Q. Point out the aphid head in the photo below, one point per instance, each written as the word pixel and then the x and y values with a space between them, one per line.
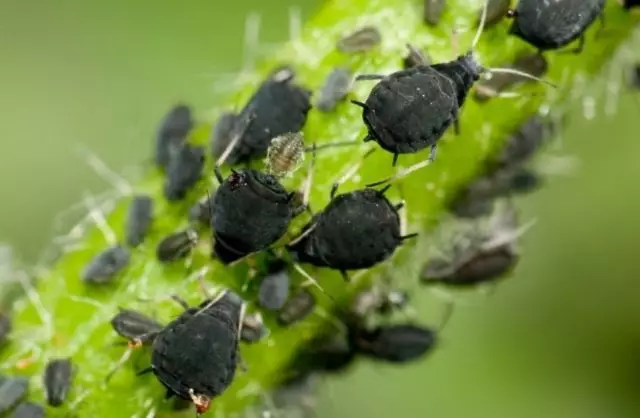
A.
pixel 202 402
pixel 471 65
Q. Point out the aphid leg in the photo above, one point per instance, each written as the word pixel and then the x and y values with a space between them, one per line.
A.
pixel 403 173
pixel 345 276
pixel 434 148
pixel 349 173
pixel 311 281
pixel 364 106
pixel 364 77
pixel 306 191
pixel 403 221
pixel 456 126
pixel 395 159
pixel 331 145
pixel 218 174
pixel 177 299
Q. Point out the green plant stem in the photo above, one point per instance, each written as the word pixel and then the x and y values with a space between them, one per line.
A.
pixel 65 317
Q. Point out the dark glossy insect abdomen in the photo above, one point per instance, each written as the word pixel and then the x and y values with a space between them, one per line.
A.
pixel 395 343
pixel 172 131
pixel 355 231
pixel 251 211
pixel 183 171
pixel 28 410
pixel 132 324
pixel 554 24
pixel 57 380
pixel 483 267
pixel 104 266
pixel 12 390
pixel 139 219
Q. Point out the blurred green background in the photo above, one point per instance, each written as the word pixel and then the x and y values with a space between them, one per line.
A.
pixel 559 339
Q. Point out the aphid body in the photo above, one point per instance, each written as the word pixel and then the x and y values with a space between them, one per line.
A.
pixel 395 343
pixel 361 40
pixel 355 231
pixel 274 287
pixel 335 89
pixel 177 245
pixel 297 308
pixel 139 219
pixel 183 171
pixel 5 327
pixel 104 266
pixel 222 134
pixel 496 11
pixel 195 356
pixel 12 390
pixel 285 154
pixel 554 24
pixel 28 410
pixel 172 132
pixel 253 328
pixel 251 210
pixel 329 354
pixel 414 58
pixel 131 324
pixel 58 377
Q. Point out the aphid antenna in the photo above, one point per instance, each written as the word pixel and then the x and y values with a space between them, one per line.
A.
pixel 332 145
pixel 243 313
pixel 311 281
pixel 350 172
pixel 404 173
pixel 304 234
pixel 102 170
pixel 238 133
pixel 123 359
pixel 213 301
pixel 96 215
pixel 306 194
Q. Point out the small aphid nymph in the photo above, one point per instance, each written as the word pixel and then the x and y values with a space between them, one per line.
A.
pixel 131 324
pixel 183 171
pixel 173 130
pixel 12 391
pixel 253 328
pixel 361 40
pixel 177 245
pixel 105 266
pixel 28 410
pixel 58 377
pixel 201 211
pixel 395 343
pixel 432 11
pixel 274 287
pixel 297 308
pixel 285 154
pixel 139 219
pixel 335 89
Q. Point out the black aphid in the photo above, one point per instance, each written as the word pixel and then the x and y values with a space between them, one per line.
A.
pixel 172 132
pixel 356 230
pixel 327 353
pixel 58 376
pixel 133 324
pixel 222 134
pixel 285 154
pixel 379 300
pixel 298 307
pixel 635 76
pixel 410 110
pixel 361 40
pixel 525 142
pixel 432 11
pixel 395 343
pixel 183 171
pixel 139 219
pixel 5 327
pixel 414 58
pixel 496 11
pixel 201 211
pixel 253 328
pixel 335 89
pixel 177 245
pixel 554 24
pixel 534 64
pixel 251 211
pixel 274 287
pixel 105 266
pixel 196 355
pixel 278 106
pixel 28 410
pixel 12 390
pixel 629 4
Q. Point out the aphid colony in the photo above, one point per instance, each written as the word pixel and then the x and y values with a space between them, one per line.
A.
pixel 195 356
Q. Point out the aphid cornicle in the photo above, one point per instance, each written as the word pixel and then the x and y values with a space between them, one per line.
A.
pixel 12 390
pixel 274 287
pixel 432 11
pixel 361 40
pixel 139 219
pixel 58 377
pixel 548 25
pixel 195 356
pixel 251 211
pixel 172 132
pixel 395 343
pixel 183 171
pixel 356 230
pixel 298 307
pixel 277 107
pixel 105 266
pixel 5 327
pixel 28 410
pixel 534 64
pixel 133 324
pixel 177 245
pixel 335 89
pixel 411 109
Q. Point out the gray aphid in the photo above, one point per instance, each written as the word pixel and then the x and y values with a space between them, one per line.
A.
pixel 103 267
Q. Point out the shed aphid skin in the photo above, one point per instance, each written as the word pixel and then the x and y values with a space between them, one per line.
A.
pixel 298 307
pixel 285 154
pixel 361 40
pixel 173 130
pixel 496 11
pixel 58 376
pixel 253 328
pixel 139 219
pixel 550 25
pixel 183 171
pixel 177 245
pixel 415 58
pixel 105 266
pixel 28 410
pixel 278 106
pixel 273 291
pixel 410 110
pixel 12 391
pixel 5 328
pixel 335 89
pixel 432 11
pixel 534 64
pixel 196 355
